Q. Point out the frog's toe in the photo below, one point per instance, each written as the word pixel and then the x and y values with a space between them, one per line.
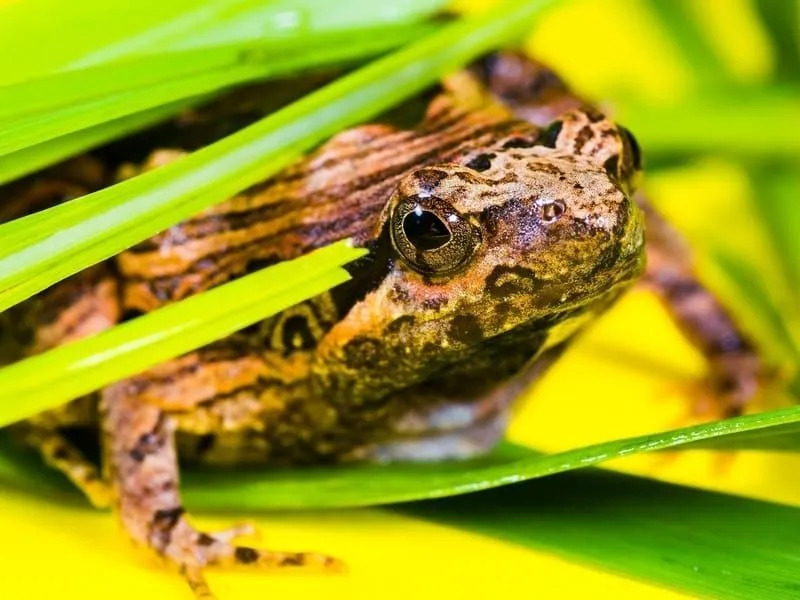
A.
pixel 194 550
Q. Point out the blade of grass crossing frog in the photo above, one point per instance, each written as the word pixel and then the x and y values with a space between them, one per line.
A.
pixel 782 20
pixel 92 228
pixel 70 87
pixel 369 484
pixel 23 162
pixel 56 376
pixel 234 66
pixel 90 33
pixel 365 485
pixel 220 23
pixel 700 543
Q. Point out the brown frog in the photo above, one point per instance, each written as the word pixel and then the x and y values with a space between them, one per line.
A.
pixel 497 229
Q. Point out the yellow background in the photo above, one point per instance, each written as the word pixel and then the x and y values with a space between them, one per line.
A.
pixel 629 375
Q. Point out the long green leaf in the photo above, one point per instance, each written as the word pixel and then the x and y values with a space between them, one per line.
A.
pixel 36 157
pixel 55 106
pixel 82 232
pixel 54 377
pixel 700 543
pixel 704 125
pixel 782 19
pixel 220 22
pixel 366 485
pixel 762 308
pixel 690 41
pixel 91 33
pixel 778 188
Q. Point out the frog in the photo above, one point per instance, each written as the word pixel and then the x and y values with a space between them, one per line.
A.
pixel 496 230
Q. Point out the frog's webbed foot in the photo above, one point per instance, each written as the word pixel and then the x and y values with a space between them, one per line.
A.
pixel 141 460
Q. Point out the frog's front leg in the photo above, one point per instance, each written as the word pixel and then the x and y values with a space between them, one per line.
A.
pixel 143 471
pixel 736 373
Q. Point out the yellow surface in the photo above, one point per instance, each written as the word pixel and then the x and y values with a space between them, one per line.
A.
pixel 627 376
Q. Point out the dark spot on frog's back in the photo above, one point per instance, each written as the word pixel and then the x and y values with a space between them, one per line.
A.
pixel 504 281
pixel 482 162
pixel 584 135
pixel 519 142
pixel 465 329
pixel 363 352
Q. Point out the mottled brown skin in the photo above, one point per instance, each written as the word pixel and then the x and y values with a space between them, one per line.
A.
pixel 496 230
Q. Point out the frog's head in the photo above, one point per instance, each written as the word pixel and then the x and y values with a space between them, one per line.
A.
pixel 522 235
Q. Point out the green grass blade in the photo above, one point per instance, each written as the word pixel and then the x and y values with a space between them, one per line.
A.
pixel 37 157
pixel 90 33
pixel 244 21
pixel 762 308
pixel 62 104
pixel 782 19
pixel 84 231
pixel 690 41
pixel 704 125
pixel 54 377
pixel 66 88
pixel 778 190
pixel 369 484
pixel 701 543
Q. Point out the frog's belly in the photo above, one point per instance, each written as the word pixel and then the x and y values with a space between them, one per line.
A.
pixel 446 430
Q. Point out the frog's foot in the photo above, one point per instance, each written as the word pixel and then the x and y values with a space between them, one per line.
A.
pixel 192 551
pixel 59 453
pixel 140 447
pixel 733 383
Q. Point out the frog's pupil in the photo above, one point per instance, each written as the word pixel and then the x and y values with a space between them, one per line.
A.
pixel 425 230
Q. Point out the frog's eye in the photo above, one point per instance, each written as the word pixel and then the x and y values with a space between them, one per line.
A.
pixel 431 235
